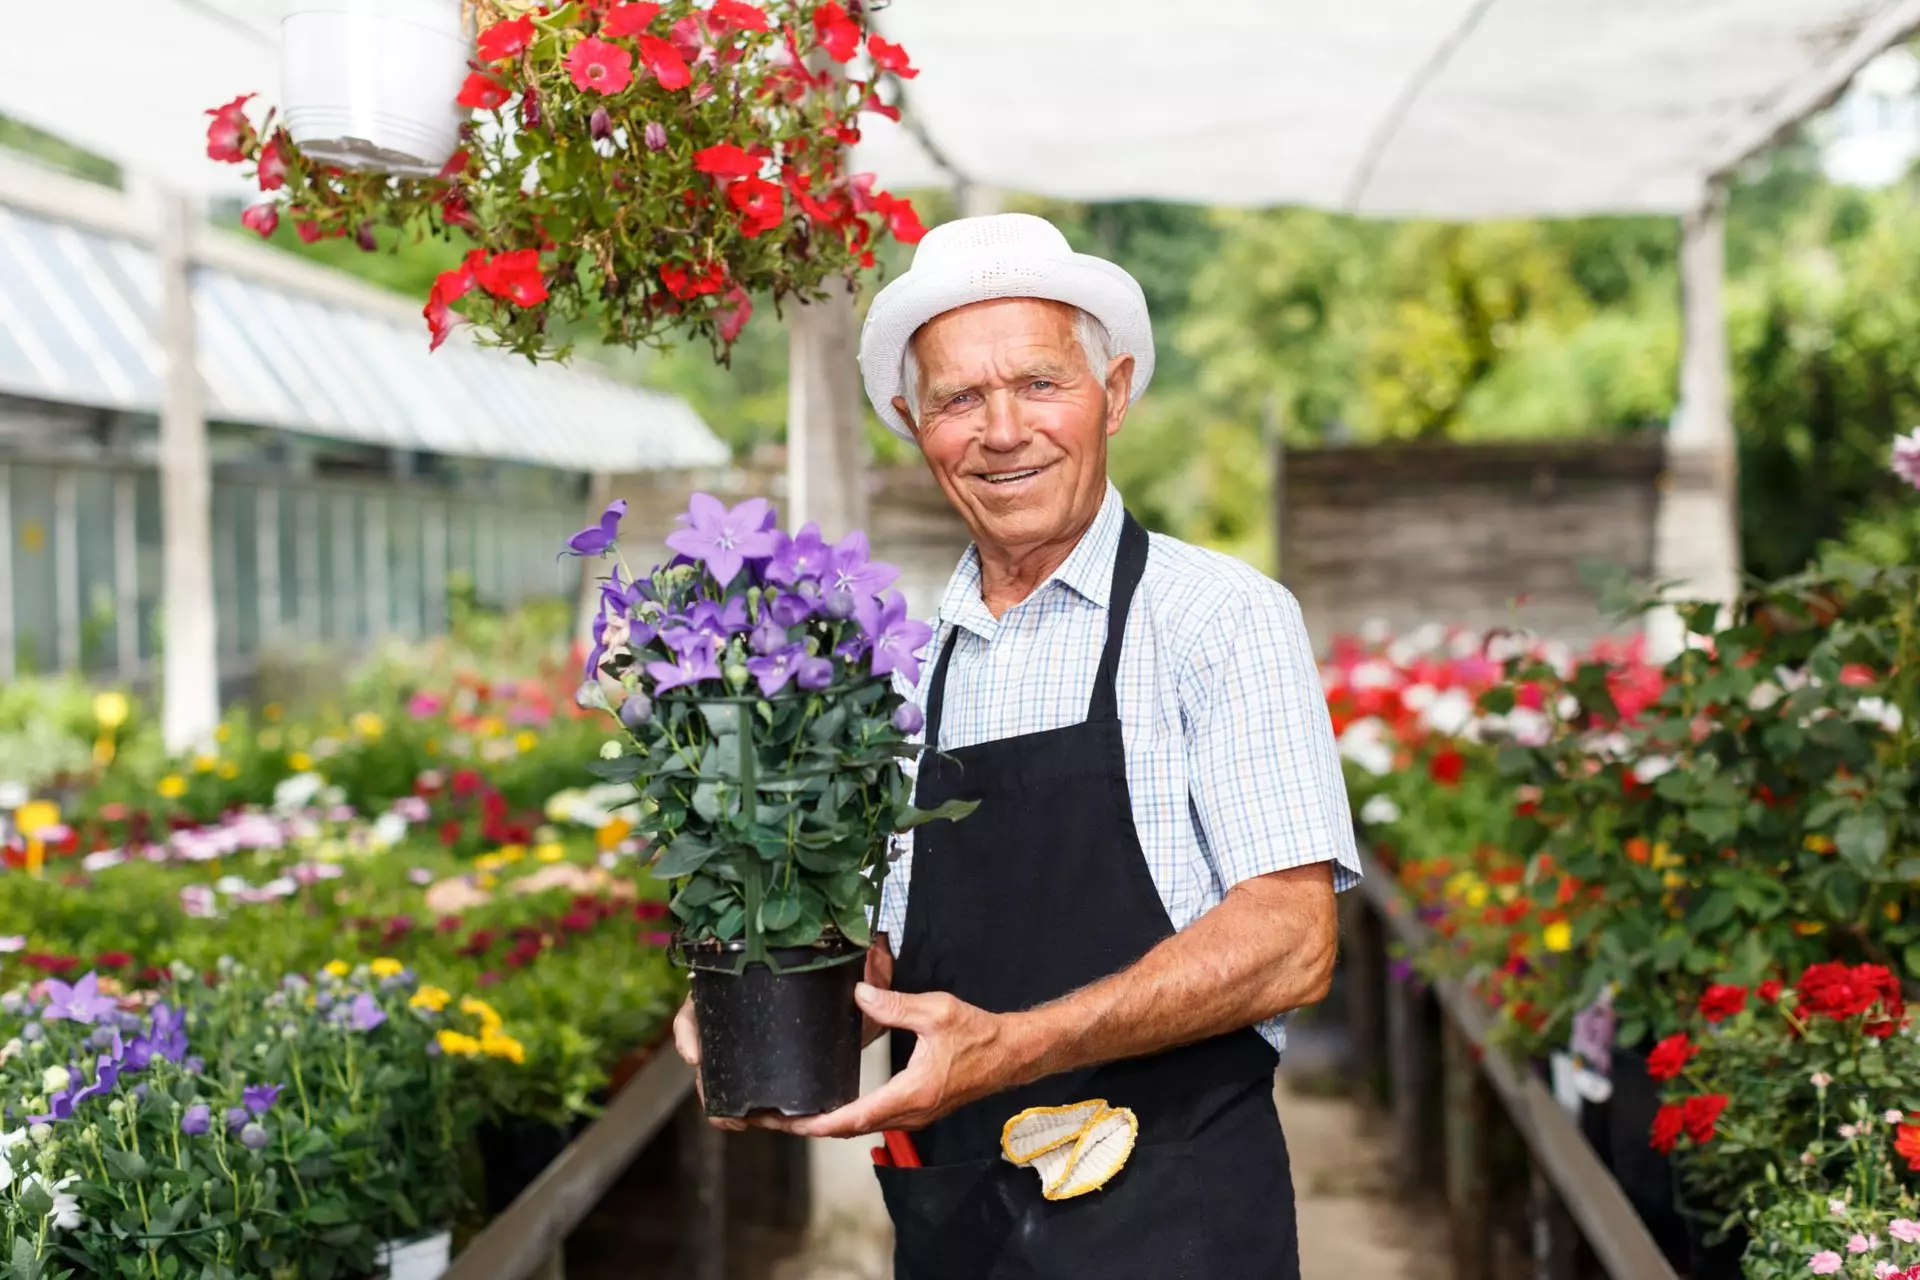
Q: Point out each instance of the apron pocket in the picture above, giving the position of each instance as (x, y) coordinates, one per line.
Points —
(1149, 1223)
(951, 1221)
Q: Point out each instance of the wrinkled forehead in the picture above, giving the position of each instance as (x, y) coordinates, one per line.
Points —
(984, 334)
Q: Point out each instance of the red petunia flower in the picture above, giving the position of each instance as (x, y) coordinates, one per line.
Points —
(455, 166)
(261, 218)
(450, 832)
(506, 39)
(890, 57)
(1669, 1057)
(1906, 1144)
(1722, 1000)
(624, 20)
(310, 232)
(1768, 990)
(735, 15)
(483, 93)
(835, 32)
(113, 960)
(466, 782)
(273, 166)
(1699, 1115)
(691, 282)
(598, 66)
(1668, 1123)
(516, 277)
(762, 205)
(667, 63)
(50, 963)
(724, 160)
(449, 287)
(230, 133)
(730, 322)
(1446, 766)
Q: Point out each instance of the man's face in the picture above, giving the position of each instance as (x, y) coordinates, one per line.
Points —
(1012, 422)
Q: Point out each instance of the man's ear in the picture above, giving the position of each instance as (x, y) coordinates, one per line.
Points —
(906, 415)
(1119, 391)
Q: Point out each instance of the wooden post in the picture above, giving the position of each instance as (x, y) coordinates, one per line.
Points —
(1469, 1150)
(190, 674)
(1556, 1241)
(703, 1183)
(1364, 947)
(1411, 1054)
(1697, 529)
(826, 420)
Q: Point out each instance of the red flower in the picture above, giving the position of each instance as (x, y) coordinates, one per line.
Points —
(724, 160)
(478, 945)
(450, 832)
(448, 288)
(506, 39)
(903, 222)
(49, 963)
(761, 205)
(1833, 990)
(1446, 766)
(263, 218)
(1667, 1124)
(1669, 1056)
(735, 15)
(516, 277)
(625, 20)
(604, 68)
(112, 960)
(466, 782)
(455, 166)
(666, 63)
(732, 320)
(691, 282)
(649, 910)
(1700, 1115)
(310, 232)
(230, 133)
(273, 166)
(890, 57)
(483, 92)
(1768, 990)
(835, 32)
(1906, 1144)
(1722, 1000)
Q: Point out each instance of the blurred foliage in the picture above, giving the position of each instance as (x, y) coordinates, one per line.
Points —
(38, 144)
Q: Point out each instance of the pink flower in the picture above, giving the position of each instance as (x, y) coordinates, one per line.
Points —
(1861, 1243)
(1905, 1230)
(604, 68)
(423, 705)
(1906, 457)
(13, 942)
(263, 218)
(1824, 1263)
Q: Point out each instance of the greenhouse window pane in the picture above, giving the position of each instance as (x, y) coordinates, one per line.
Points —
(35, 646)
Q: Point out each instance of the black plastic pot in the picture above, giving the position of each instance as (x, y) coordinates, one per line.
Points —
(1643, 1173)
(786, 1042)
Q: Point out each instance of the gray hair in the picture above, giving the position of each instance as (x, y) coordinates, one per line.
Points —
(1095, 344)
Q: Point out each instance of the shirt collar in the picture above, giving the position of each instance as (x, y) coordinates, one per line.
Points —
(1087, 572)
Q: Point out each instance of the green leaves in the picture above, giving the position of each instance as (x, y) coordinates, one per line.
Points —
(951, 811)
(1861, 837)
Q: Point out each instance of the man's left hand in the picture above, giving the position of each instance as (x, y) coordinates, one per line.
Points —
(960, 1053)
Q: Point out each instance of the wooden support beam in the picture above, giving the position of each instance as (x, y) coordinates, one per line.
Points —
(1412, 1059)
(1363, 947)
(1556, 1240)
(1469, 1155)
(190, 674)
(826, 418)
(703, 1186)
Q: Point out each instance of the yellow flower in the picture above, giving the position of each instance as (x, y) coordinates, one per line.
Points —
(172, 787)
(612, 833)
(1893, 912)
(338, 968)
(368, 725)
(1808, 928)
(223, 733)
(299, 762)
(229, 770)
(111, 709)
(460, 1046)
(1672, 879)
(475, 1007)
(432, 999)
(385, 967)
(1557, 936)
(496, 1045)
(551, 851)
(272, 712)
(1818, 844)
(433, 746)
(492, 727)
(487, 879)
(35, 816)
(526, 740)
(504, 856)
(204, 764)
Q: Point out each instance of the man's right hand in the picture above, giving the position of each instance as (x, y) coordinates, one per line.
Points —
(686, 1028)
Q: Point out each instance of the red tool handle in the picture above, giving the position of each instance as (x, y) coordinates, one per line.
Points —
(900, 1147)
(881, 1158)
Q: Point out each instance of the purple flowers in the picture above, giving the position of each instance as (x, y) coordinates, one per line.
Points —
(693, 662)
(1906, 457)
(897, 639)
(724, 539)
(772, 671)
(81, 1002)
(196, 1120)
(805, 556)
(167, 1039)
(364, 1014)
(907, 718)
(597, 540)
(259, 1098)
(253, 1137)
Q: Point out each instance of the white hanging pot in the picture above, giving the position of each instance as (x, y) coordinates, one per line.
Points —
(424, 1259)
(371, 84)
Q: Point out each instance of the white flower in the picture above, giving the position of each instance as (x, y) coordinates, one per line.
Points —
(1365, 743)
(1821, 1079)
(65, 1214)
(389, 829)
(298, 791)
(1880, 711)
(1418, 697)
(611, 749)
(1379, 811)
(1373, 631)
(8, 1141)
(13, 942)
(1373, 674)
(1450, 713)
(231, 884)
(1764, 695)
(1892, 1117)
(1567, 707)
(1429, 637)
(1647, 768)
(1503, 648)
(1838, 1208)
(1529, 726)
(101, 859)
(55, 1079)
(13, 794)
(1849, 1132)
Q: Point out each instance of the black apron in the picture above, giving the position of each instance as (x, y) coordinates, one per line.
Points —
(1040, 891)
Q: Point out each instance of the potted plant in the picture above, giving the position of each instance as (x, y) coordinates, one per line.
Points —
(752, 677)
(645, 167)
(373, 83)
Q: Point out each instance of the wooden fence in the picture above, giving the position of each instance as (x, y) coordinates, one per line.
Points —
(1526, 1193)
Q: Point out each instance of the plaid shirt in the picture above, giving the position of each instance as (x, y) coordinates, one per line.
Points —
(1230, 752)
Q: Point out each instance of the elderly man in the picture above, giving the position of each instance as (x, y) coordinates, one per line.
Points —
(1147, 886)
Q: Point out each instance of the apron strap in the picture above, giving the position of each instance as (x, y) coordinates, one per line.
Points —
(1128, 567)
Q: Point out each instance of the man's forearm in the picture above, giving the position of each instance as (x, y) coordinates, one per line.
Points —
(1268, 948)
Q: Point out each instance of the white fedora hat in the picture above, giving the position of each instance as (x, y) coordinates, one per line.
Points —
(1004, 255)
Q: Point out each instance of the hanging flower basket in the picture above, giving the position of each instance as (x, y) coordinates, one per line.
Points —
(615, 171)
(754, 678)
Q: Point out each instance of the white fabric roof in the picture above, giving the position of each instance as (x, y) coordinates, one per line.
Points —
(1453, 108)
